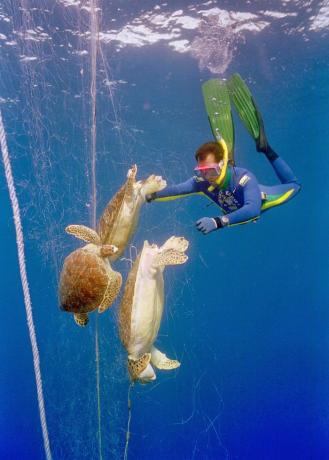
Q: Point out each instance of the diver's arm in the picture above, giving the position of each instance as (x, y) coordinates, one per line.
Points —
(173, 192)
(247, 213)
(252, 204)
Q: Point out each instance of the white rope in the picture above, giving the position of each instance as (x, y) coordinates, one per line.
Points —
(93, 132)
(128, 422)
(25, 285)
(93, 155)
(99, 409)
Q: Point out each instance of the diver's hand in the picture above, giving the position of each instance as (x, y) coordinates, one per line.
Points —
(150, 197)
(207, 225)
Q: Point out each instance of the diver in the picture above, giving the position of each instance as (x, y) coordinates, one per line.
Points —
(235, 190)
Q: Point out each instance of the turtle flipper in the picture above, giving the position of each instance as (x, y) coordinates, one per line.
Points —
(131, 176)
(161, 361)
(81, 319)
(152, 184)
(172, 252)
(132, 172)
(170, 257)
(83, 233)
(112, 291)
(137, 366)
(179, 243)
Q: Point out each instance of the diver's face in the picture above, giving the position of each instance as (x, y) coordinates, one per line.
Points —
(211, 174)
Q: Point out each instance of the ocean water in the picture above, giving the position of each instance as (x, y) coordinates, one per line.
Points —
(247, 315)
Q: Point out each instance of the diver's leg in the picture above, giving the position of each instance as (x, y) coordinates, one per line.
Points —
(278, 194)
(283, 171)
(281, 168)
(289, 187)
(252, 119)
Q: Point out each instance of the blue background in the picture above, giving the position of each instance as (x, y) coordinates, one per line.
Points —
(247, 315)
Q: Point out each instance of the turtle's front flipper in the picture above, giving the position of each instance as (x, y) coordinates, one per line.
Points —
(161, 361)
(112, 291)
(151, 185)
(170, 257)
(81, 319)
(179, 243)
(131, 179)
(83, 233)
(132, 172)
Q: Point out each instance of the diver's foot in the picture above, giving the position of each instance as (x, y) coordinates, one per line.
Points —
(267, 150)
(261, 145)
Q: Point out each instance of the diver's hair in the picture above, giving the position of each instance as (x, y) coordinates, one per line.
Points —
(210, 147)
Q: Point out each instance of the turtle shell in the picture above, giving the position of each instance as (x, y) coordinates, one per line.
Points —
(83, 282)
(126, 304)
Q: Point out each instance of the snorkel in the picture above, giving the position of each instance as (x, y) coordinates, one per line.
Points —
(220, 179)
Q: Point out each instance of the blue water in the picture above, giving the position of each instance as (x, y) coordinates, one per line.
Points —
(247, 315)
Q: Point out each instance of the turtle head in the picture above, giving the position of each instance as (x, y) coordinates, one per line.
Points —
(107, 250)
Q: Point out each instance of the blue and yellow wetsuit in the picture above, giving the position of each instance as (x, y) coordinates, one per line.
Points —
(240, 197)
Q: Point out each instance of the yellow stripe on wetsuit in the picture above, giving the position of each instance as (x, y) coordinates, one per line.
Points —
(174, 197)
(266, 205)
(281, 199)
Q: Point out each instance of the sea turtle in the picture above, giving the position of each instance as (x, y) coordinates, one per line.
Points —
(120, 218)
(87, 280)
(141, 308)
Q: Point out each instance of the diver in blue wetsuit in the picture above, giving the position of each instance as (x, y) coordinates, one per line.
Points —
(235, 190)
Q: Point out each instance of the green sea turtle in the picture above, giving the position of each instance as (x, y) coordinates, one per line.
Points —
(87, 280)
(141, 308)
(120, 218)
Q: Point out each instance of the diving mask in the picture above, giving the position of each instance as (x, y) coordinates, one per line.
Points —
(210, 170)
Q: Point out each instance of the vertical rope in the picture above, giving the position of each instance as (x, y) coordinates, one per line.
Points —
(93, 134)
(129, 404)
(25, 285)
(93, 55)
(99, 413)
(128, 423)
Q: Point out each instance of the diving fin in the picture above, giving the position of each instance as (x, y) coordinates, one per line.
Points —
(218, 107)
(248, 111)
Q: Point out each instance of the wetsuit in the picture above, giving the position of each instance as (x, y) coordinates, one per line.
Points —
(241, 198)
